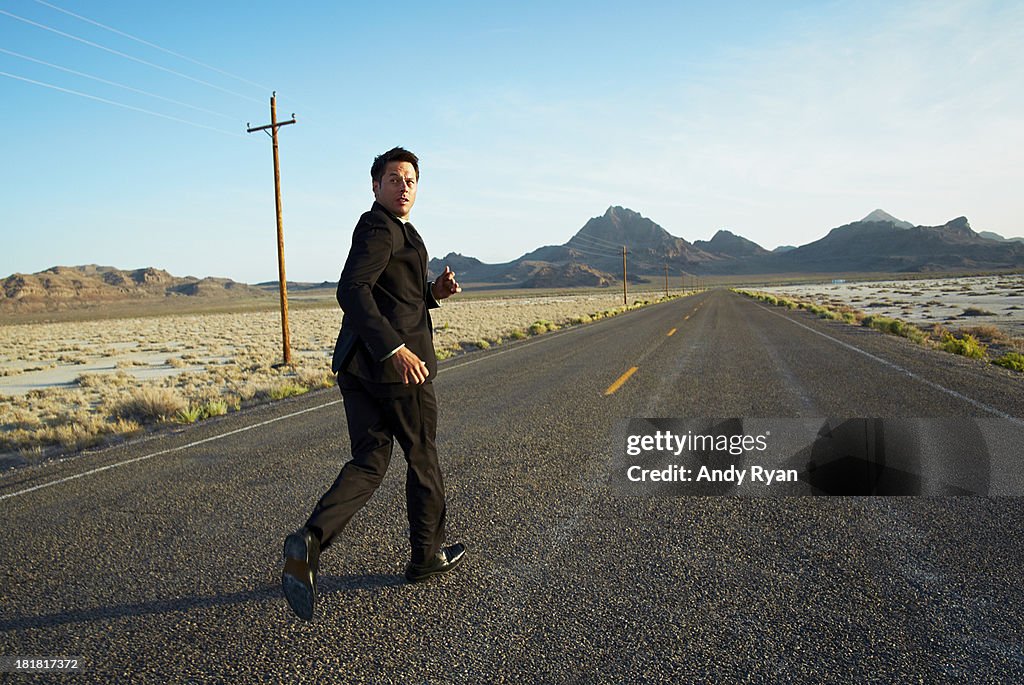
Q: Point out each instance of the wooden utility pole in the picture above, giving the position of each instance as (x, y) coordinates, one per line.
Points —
(273, 126)
(624, 301)
(666, 281)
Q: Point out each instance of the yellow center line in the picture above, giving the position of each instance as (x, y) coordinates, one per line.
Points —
(622, 379)
(686, 318)
(672, 332)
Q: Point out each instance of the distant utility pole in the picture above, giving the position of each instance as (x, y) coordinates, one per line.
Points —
(666, 281)
(273, 126)
(624, 301)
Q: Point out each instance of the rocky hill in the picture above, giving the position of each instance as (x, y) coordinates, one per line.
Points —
(69, 287)
(727, 244)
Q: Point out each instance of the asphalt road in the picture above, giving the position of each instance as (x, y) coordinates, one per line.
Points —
(160, 561)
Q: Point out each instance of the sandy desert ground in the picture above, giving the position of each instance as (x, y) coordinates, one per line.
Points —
(76, 384)
(952, 302)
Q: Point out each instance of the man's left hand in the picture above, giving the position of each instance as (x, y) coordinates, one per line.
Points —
(445, 285)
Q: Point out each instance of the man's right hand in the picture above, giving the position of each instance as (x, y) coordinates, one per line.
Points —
(410, 367)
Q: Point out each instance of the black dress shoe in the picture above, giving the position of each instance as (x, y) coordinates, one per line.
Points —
(298, 580)
(442, 562)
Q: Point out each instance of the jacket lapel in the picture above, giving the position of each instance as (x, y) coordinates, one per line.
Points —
(412, 236)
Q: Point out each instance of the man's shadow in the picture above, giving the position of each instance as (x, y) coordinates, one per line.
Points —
(327, 585)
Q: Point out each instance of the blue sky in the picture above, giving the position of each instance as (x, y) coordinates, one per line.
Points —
(777, 121)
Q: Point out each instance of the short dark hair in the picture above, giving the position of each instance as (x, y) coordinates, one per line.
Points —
(395, 154)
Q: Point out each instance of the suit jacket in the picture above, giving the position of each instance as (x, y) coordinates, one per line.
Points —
(385, 295)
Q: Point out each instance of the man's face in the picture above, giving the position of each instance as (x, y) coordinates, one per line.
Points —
(396, 191)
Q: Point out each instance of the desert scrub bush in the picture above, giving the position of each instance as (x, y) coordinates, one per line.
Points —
(33, 454)
(123, 427)
(819, 311)
(852, 317)
(248, 391)
(97, 380)
(78, 433)
(1011, 360)
(283, 389)
(968, 346)
(538, 327)
(314, 378)
(148, 403)
(895, 327)
(11, 371)
(71, 436)
(18, 418)
(442, 353)
(977, 311)
(175, 363)
(483, 344)
(517, 334)
(986, 333)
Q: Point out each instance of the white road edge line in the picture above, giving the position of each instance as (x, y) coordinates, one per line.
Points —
(166, 451)
(885, 362)
(258, 425)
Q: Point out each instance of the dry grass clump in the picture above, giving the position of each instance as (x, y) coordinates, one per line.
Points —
(314, 378)
(986, 333)
(149, 404)
(18, 418)
(976, 311)
(102, 381)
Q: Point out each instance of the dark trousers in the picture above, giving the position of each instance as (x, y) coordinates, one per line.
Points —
(378, 414)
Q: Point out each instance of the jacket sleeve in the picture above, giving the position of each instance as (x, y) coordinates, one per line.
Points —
(428, 296)
(367, 259)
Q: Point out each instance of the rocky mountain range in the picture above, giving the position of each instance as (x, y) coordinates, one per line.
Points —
(64, 287)
(877, 243)
(592, 257)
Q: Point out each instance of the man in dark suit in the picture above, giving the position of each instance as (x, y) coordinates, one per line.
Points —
(385, 363)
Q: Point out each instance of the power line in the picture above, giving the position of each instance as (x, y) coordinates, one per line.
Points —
(118, 104)
(118, 85)
(590, 253)
(594, 256)
(594, 246)
(593, 253)
(152, 45)
(617, 246)
(127, 56)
